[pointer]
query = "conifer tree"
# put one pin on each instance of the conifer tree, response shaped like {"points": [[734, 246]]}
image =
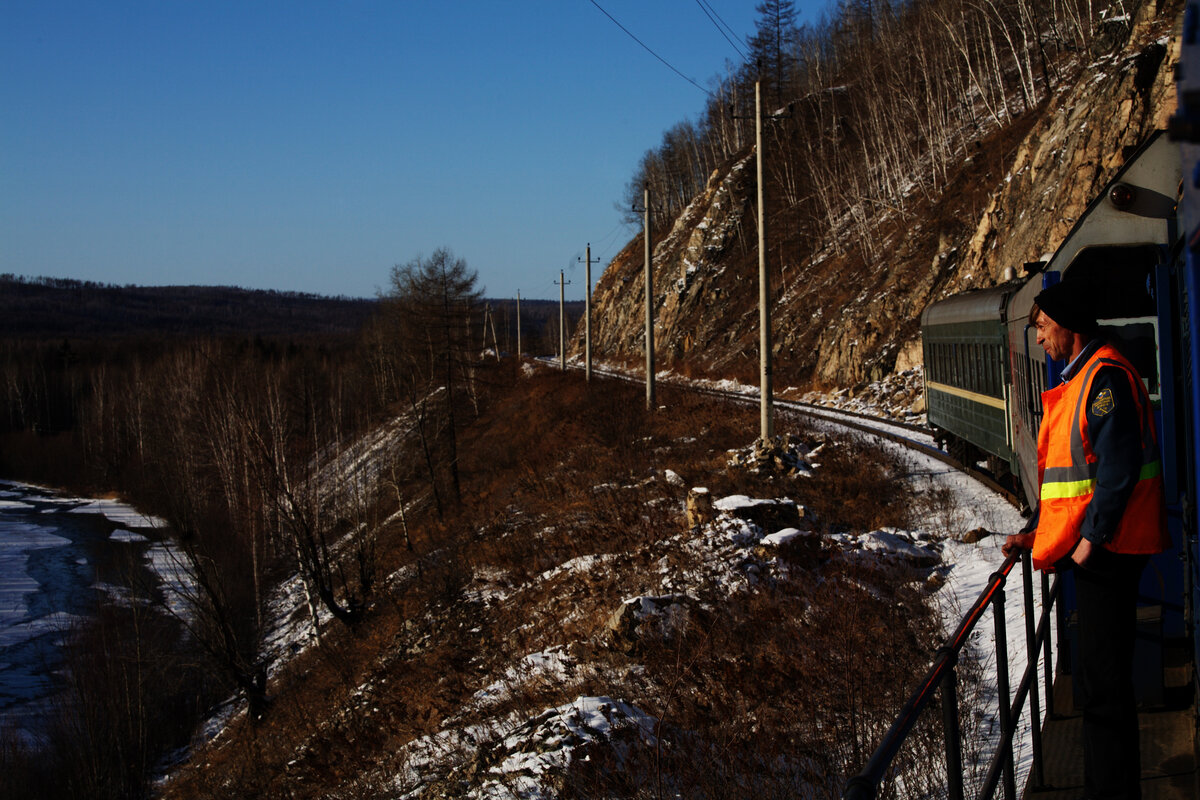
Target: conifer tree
{"points": [[773, 45], [435, 300]]}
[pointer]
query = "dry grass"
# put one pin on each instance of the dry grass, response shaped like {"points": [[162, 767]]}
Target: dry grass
{"points": [[805, 669]]}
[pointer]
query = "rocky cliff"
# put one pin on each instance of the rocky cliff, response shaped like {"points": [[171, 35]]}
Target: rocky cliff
{"points": [[845, 313]]}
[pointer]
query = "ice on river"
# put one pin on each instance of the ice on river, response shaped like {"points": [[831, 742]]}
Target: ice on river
{"points": [[18, 541], [60, 557]]}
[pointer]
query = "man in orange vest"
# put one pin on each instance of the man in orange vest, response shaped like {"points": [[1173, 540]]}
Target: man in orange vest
{"points": [[1100, 513]]}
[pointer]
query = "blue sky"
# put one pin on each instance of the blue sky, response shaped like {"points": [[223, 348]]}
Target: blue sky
{"points": [[307, 146]]}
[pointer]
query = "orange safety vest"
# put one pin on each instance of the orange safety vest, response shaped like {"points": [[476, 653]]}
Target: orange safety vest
{"points": [[1067, 470]]}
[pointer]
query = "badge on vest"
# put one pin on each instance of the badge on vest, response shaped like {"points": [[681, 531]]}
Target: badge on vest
{"points": [[1103, 403]]}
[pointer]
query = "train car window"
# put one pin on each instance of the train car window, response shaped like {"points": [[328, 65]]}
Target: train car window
{"points": [[993, 361], [1118, 281], [997, 370], [1019, 374], [1137, 340], [1038, 372]]}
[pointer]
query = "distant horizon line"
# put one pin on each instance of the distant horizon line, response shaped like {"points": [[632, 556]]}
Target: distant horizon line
{"points": [[52, 282]]}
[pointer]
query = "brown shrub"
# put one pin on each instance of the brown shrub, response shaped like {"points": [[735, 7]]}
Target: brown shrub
{"points": [[553, 470]]}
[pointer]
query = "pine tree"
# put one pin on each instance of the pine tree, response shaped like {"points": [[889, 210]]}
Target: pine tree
{"points": [[773, 45]]}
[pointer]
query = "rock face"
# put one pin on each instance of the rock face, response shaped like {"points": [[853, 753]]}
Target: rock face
{"points": [[837, 322], [690, 285], [1078, 143]]}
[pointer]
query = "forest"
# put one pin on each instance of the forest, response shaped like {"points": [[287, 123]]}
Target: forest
{"points": [[215, 409], [873, 107]]}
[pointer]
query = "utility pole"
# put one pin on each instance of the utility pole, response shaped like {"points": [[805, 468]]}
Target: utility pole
{"points": [[766, 402], [518, 326], [489, 321], [562, 322], [492, 323], [587, 317], [650, 405]]}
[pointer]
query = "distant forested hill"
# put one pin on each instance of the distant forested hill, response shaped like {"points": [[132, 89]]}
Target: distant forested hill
{"points": [[52, 307]]}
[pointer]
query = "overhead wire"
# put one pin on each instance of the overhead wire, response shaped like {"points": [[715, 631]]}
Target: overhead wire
{"points": [[647, 48], [605, 244], [713, 17]]}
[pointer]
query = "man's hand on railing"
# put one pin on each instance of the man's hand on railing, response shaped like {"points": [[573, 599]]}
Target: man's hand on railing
{"points": [[1017, 541]]}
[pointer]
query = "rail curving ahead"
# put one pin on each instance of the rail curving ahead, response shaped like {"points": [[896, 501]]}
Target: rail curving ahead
{"points": [[941, 677]]}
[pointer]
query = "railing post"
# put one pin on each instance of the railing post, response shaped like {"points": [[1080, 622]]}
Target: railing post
{"points": [[1047, 653], [950, 726], [1002, 689], [942, 676], [1031, 654]]}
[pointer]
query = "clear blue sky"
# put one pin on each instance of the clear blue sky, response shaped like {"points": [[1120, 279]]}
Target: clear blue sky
{"points": [[308, 146]]}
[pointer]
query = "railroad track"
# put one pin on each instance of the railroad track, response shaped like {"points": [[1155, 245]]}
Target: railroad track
{"points": [[901, 433], [914, 437]]}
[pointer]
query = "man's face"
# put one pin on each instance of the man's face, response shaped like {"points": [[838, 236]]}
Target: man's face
{"points": [[1056, 340]]}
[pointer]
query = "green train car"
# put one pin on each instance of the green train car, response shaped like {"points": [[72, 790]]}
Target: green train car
{"points": [[967, 397]]}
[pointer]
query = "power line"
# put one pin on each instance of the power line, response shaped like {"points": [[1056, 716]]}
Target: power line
{"points": [[647, 48], [713, 16]]}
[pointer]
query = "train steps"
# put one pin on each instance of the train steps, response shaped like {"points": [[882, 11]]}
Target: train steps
{"points": [[1168, 733]]}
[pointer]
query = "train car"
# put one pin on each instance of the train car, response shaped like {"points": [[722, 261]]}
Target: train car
{"points": [[967, 397], [1185, 337], [984, 370], [1127, 251]]}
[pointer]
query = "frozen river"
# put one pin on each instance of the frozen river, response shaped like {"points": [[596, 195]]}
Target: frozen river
{"points": [[60, 558]]}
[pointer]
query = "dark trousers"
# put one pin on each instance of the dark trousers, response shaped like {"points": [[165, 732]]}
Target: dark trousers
{"points": [[1106, 594]]}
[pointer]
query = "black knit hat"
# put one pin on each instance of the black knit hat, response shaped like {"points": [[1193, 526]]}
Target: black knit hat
{"points": [[1069, 306]]}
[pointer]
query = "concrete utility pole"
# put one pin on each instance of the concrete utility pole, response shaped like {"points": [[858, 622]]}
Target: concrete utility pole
{"points": [[562, 322], [766, 402], [649, 303], [518, 326], [587, 317], [489, 320], [492, 323]]}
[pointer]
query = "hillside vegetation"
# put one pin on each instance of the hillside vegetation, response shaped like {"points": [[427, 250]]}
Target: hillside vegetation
{"points": [[45, 308], [568, 631], [910, 149]]}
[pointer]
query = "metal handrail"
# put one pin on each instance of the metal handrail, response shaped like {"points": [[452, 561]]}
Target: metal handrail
{"points": [[941, 675]]}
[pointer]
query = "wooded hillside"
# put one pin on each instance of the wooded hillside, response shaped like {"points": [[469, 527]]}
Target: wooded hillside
{"points": [[910, 149], [53, 307]]}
